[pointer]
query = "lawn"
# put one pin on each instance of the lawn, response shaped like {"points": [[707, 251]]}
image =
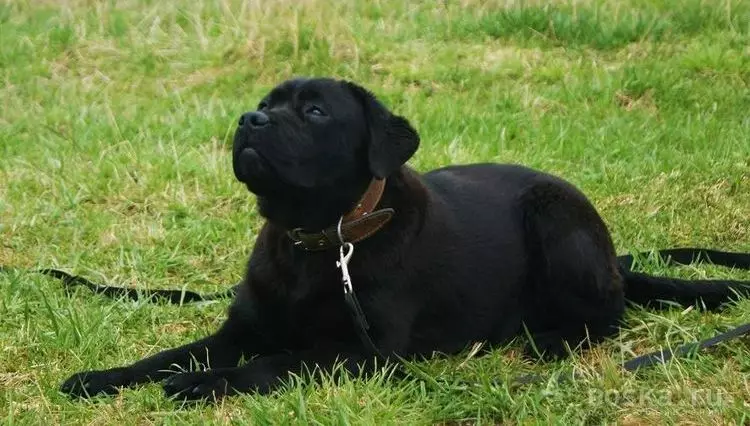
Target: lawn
{"points": [[115, 126]]}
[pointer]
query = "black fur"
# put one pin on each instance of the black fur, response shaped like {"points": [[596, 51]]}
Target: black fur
{"points": [[474, 253]]}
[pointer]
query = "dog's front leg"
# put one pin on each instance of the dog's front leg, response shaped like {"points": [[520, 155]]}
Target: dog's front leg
{"points": [[218, 350], [264, 374]]}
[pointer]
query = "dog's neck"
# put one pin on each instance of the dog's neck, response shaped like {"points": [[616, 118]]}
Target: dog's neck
{"points": [[356, 225]]}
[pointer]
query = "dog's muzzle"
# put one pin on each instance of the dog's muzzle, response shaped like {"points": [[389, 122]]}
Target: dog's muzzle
{"points": [[252, 169]]}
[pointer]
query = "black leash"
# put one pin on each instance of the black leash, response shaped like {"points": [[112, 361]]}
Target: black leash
{"points": [[177, 297], [660, 357], [679, 256], [687, 256]]}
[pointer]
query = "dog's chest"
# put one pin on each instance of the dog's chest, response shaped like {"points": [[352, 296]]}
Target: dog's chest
{"points": [[302, 297], [316, 307], [321, 317]]}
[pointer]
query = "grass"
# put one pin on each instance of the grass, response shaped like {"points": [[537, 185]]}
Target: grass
{"points": [[114, 163]]}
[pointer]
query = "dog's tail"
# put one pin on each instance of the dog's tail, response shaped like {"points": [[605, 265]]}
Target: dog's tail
{"points": [[650, 290]]}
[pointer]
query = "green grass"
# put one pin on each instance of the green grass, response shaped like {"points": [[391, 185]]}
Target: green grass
{"points": [[114, 163]]}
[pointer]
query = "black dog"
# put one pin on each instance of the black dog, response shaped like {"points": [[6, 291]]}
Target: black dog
{"points": [[441, 260]]}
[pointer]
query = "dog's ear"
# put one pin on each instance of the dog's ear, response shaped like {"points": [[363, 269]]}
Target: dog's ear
{"points": [[392, 139]]}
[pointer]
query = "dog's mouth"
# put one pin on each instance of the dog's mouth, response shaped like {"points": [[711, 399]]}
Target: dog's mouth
{"points": [[266, 174], [252, 169], [251, 163], [266, 170]]}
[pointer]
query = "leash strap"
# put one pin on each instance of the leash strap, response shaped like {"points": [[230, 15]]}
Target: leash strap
{"points": [[360, 324], [660, 357], [177, 297], [681, 256], [686, 256], [346, 250]]}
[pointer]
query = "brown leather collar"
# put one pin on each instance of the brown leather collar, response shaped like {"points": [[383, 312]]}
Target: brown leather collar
{"points": [[356, 225]]}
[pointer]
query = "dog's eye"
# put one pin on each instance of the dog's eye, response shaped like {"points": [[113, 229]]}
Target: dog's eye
{"points": [[263, 105], [314, 110]]}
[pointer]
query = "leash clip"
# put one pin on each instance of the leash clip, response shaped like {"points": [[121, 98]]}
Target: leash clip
{"points": [[345, 254], [346, 250]]}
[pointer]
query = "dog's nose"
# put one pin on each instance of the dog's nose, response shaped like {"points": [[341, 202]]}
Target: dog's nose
{"points": [[254, 119]]}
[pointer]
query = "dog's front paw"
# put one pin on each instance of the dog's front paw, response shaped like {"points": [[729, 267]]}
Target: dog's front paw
{"points": [[199, 385], [91, 383]]}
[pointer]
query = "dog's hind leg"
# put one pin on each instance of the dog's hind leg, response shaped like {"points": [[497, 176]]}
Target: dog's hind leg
{"points": [[574, 293]]}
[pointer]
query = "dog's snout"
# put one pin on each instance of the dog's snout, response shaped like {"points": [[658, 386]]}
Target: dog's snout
{"points": [[254, 119]]}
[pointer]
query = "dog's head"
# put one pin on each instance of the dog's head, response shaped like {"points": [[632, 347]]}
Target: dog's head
{"points": [[313, 145]]}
